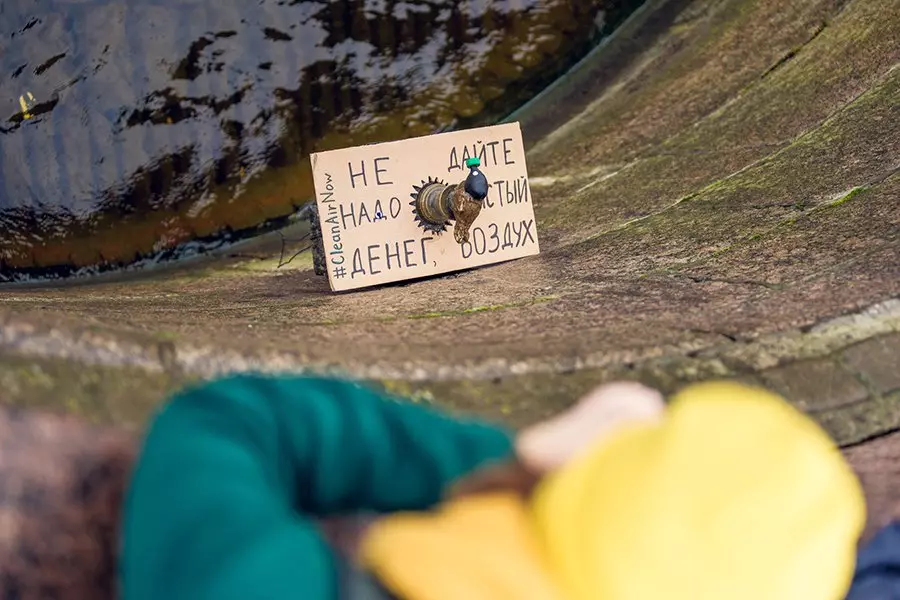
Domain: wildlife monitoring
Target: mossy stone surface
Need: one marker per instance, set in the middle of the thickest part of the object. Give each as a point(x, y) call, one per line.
point(725, 179)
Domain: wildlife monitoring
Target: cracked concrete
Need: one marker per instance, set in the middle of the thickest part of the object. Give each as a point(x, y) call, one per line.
point(717, 197)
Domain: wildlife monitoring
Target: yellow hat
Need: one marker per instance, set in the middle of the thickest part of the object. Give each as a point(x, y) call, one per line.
point(475, 548)
point(734, 495)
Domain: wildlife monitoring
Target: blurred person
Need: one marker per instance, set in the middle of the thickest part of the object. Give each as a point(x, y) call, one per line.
point(726, 492)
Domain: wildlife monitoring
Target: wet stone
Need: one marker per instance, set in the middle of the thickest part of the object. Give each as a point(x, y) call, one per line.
point(816, 385)
point(878, 361)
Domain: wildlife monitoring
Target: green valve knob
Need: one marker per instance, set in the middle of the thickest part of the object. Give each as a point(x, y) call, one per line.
point(473, 162)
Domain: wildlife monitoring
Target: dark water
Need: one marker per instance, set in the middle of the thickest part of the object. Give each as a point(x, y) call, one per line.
point(128, 129)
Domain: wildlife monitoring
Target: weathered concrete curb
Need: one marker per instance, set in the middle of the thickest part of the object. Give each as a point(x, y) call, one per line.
point(843, 371)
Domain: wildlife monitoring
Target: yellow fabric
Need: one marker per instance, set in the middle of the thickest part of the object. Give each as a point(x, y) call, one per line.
point(477, 548)
point(734, 495)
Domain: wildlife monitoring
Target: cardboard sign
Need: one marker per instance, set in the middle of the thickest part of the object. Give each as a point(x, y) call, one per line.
point(369, 226)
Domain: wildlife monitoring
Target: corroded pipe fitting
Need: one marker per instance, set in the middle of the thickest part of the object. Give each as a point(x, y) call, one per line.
point(436, 204)
point(433, 204)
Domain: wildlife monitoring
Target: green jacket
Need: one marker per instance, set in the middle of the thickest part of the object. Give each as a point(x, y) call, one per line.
point(233, 474)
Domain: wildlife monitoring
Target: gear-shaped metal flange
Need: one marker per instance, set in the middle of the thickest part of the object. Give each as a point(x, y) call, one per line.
point(431, 205)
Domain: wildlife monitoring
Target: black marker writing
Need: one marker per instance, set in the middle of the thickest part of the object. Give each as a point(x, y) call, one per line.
point(513, 191)
point(491, 154)
point(355, 214)
point(389, 256)
point(493, 238)
point(377, 169)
